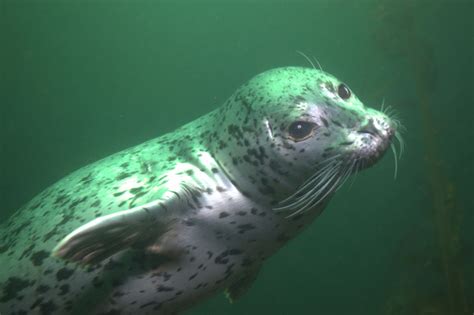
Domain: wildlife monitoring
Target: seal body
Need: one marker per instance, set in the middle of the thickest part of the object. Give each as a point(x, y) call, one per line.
point(158, 227)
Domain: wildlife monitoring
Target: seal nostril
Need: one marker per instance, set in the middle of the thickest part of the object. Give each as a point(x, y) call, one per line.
point(370, 129)
point(368, 132)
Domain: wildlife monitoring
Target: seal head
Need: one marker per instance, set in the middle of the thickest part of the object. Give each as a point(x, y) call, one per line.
point(299, 133)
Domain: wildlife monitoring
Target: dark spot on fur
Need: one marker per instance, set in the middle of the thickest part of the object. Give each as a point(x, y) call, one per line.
point(245, 227)
point(86, 179)
point(222, 258)
point(147, 304)
point(61, 200)
point(45, 308)
point(13, 286)
point(337, 123)
point(76, 202)
point(4, 248)
point(64, 273)
point(162, 288)
point(347, 143)
point(189, 222)
point(325, 122)
point(95, 204)
point(123, 176)
point(118, 294)
point(223, 215)
point(122, 203)
point(48, 307)
point(64, 289)
point(42, 289)
point(21, 227)
point(27, 251)
point(136, 190)
point(38, 257)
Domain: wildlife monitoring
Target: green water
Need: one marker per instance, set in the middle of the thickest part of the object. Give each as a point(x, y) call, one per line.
point(83, 79)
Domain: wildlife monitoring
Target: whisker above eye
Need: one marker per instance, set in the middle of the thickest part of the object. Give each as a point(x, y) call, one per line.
point(307, 58)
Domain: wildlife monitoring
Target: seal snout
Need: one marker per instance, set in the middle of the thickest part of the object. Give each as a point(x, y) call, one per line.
point(372, 139)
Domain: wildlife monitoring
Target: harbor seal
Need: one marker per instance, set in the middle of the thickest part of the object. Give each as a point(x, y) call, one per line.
point(160, 226)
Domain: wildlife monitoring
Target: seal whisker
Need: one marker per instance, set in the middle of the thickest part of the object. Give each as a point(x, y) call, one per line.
point(307, 58)
point(313, 197)
point(387, 110)
point(347, 173)
point(394, 150)
point(316, 196)
point(299, 199)
point(356, 172)
point(318, 179)
point(401, 142)
point(310, 181)
point(393, 116)
point(307, 184)
point(319, 65)
point(319, 174)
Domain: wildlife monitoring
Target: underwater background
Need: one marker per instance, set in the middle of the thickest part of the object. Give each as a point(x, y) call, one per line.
point(81, 80)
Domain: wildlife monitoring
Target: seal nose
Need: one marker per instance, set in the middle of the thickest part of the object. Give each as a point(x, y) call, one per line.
point(369, 127)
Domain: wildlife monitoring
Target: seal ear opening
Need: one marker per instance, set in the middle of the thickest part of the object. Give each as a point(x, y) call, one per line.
point(107, 235)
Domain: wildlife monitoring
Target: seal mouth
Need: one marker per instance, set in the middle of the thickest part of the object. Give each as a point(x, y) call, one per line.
point(373, 139)
point(372, 148)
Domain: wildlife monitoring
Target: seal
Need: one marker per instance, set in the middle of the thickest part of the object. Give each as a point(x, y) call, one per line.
point(160, 226)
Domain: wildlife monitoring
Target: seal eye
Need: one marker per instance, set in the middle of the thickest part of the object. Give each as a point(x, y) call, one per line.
point(301, 130)
point(343, 91)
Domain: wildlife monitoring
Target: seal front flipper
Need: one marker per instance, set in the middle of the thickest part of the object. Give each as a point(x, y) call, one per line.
point(107, 235)
point(241, 286)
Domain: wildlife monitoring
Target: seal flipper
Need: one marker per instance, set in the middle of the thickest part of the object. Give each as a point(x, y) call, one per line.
point(241, 286)
point(107, 235)
point(104, 236)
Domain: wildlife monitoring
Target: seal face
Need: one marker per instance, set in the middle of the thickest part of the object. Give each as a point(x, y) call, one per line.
point(158, 227)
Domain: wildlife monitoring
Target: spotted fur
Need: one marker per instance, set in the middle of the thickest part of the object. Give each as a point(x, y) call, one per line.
point(231, 168)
